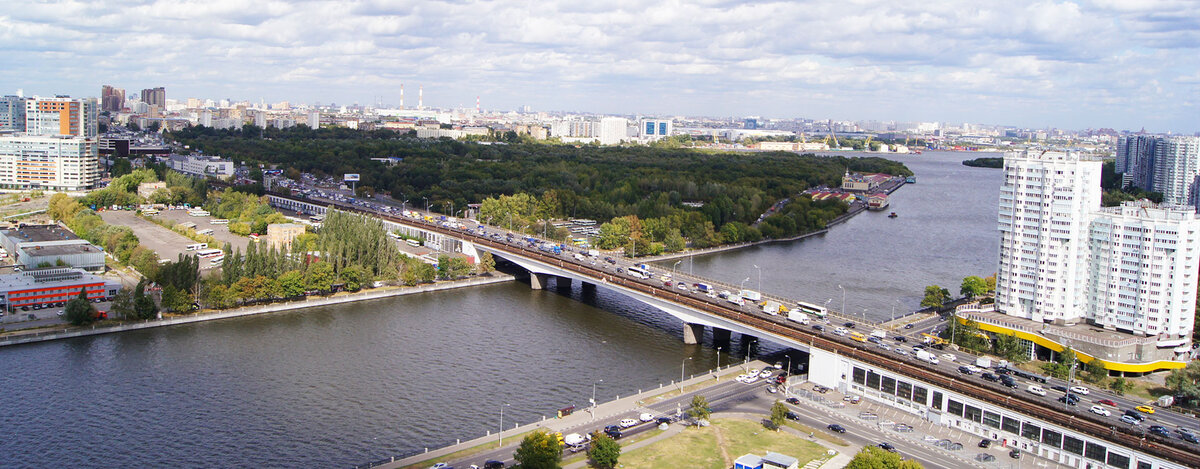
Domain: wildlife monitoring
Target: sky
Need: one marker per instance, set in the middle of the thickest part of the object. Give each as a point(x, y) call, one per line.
point(1123, 64)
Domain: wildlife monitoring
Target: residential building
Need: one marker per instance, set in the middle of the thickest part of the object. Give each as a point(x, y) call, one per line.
point(654, 129)
point(281, 235)
point(1144, 261)
point(61, 115)
point(613, 130)
point(112, 99)
point(155, 97)
point(1135, 161)
point(47, 286)
point(32, 246)
point(1176, 165)
point(48, 162)
point(12, 113)
point(201, 165)
point(1045, 200)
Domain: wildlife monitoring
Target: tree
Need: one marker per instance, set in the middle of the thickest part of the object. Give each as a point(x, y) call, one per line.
point(973, 286)
point(292, 283)
point(778, 414)
point(539, 450)
point(1185, 381)
point(935, 297)
point(122, 305)
point(143, 303)
point(699, 409)
point(353, 277)
point(176, 300)
point(1119, 386)
point(319, 276)
point(604, 452)
point(487, 263)
point(1093, 371)
point(1009, 347)
point(873, 457)
point(79, 310)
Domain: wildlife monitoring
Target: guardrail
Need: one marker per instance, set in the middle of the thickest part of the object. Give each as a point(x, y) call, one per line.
point(1021, 404)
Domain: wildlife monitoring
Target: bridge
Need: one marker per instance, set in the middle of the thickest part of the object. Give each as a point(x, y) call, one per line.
point(1016, 420)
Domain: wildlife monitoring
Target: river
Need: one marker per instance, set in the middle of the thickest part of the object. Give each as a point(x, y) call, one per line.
point(343, 385)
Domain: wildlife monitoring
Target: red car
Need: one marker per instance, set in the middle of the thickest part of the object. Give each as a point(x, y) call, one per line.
point(1106, 402)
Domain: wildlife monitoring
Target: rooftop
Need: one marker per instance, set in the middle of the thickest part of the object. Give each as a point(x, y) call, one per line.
point(39, 233)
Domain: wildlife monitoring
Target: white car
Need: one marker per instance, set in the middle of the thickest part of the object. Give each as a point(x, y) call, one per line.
point(1100, 411)
point(1079, 390)
point(626, 423)
point(741, 378)
point(900, 351)
point(1035, 389)
point(948, 357)
point(646, 417)
point(840, 331)
point(765, 373)
point(751, 379)
point(885, 346)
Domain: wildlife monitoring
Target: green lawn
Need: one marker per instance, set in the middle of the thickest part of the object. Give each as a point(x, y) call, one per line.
point(702, 448)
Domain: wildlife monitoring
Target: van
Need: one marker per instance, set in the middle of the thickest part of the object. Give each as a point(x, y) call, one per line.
point(1035, 389)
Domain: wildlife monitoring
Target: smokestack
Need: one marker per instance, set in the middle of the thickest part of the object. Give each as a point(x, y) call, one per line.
point(402, 96)
point(421, 97)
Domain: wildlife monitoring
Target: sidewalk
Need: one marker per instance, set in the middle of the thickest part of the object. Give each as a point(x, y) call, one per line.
point(604, 412)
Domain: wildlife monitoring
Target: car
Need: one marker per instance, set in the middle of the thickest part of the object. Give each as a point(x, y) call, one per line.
point(1059, 388)
point(819, 327)
point(1134, 415)
point(851, 398)
point(1190, 438)
point(908, 326)
point(990, 377)
point(1145, 409)
point(751, 379)
point(1079, 390)
point(836, 428)
point(440, 465)
point(900, 338)
point(964, 370)
point(493, 464)
point(985, 457)
point(1015, 454)
point(874, 340)
point(772, 389)
point(820, 389)
point(32, 316)
point(1035, 389)
point(1130, 420)
point(613, 432)
point(884, 347)
point(1100, 411)
point(948, 357)
point(900, 351)
point(646, 417)
point(840, 331)
point(626, 423)
point(752, 372)
point(1107, 402)
point(60, 313)
point(793, 400)
point(765, 373)
point(663, 420)
point(887, 447)
point(849, 325)
point(741, 378)
point(1068, 400)
point(1160, 432)
point(985, 443)
point(682, 286)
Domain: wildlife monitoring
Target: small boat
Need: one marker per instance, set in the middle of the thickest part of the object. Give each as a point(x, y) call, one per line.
point(893, 215)
point(911, 180)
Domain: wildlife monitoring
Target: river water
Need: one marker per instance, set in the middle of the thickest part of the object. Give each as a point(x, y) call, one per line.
point(343, 385)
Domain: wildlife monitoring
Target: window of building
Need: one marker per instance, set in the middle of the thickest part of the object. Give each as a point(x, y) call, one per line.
point(1052, 438)
point(860, 376)
point(1143, 465)
point(920, 395)
point(1073, 445)
point(1031, 431)
point(1120, 461)
point(937, 400)
point(973, 414)
point(991, 419)
point(954, 407)
point(1095, 451)
point(889, 385)
point(1011, 425)
point(904, 390)
point(872, 380)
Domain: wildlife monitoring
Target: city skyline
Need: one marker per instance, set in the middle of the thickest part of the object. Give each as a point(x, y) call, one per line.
point(1124, 65)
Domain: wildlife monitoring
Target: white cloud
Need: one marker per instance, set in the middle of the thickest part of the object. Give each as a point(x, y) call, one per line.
point(936, 60)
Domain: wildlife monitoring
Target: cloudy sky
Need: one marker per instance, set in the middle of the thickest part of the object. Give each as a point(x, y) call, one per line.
point(1124, 64)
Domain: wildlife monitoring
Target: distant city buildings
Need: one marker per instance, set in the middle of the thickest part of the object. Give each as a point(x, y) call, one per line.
point(201, 165)
point(61, 116)
point(12, 113)
point(57, 147)
point(1169, 165)
point(1064, 259)
point(112, 99)
point(655, 129)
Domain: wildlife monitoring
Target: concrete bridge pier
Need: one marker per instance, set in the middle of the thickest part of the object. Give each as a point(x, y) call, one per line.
point(588, 288)
point(748, 344)
point(692, 333)
point(538, 281)
point(562, 283)
point(721, 337)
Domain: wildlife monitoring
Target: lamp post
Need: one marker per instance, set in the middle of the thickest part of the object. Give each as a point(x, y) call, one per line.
point(759, 277)
point(718, 363)
point(673, 267)
point(681, 364)
point(594, 398)
point(843, 311)
point(426, 205)
point(501, 434)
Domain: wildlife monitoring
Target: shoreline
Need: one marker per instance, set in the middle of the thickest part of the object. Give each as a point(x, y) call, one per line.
point(373, 294)
point(854, 210)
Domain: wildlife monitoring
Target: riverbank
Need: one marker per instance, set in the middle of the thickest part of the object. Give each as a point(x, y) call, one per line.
point(17, 338)
point(855, 209)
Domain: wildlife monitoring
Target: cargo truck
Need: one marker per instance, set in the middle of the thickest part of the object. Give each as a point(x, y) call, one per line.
point(926, 356)
point(983, 362)
point(771, 307)
point(751, 295)
point(798, 316)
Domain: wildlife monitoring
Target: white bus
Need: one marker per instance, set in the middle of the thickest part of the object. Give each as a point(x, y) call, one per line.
point(149, 212)
point(219, 221)
point(819, 311)
point(206, 231)
point(639, 272)
point(209, 253)
point(412, 242)
point(197, 246)
point(198, 213)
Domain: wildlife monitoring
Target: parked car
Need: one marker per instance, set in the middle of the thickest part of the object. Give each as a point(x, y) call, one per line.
point(646, 417)
point(613, 432)
point(836, 428)
point(1015, 454)
point(985, 443)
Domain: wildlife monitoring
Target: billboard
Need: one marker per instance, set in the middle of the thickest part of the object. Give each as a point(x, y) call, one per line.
point(350, 177)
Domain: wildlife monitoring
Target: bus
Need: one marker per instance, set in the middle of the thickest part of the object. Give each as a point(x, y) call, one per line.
point(206, 231)
point(219, 221)
point(819, 311)
point(209, 253)
point(639, 273)
point(412, 242)
point(149, 212)
point(317, 218)
point(197, 246)
point(858, 336)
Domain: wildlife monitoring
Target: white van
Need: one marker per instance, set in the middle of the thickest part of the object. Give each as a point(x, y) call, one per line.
point(1035, 389)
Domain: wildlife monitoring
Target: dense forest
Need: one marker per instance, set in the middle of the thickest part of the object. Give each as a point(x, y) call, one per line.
point(698, 192)
point(985, 162)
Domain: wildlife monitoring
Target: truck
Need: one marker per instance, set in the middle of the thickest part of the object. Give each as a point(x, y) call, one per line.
point(983, 362)
point(751, 295)
point(880, 333)
point(798, 316)
point(702, 287)
point(927, 357)
point(594, 252)
point(771, 307)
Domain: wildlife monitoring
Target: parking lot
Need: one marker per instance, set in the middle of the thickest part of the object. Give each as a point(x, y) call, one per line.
point(166, 243)
point(221, 232)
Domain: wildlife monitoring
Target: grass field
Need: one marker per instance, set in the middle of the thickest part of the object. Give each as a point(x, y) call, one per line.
point(716, 447)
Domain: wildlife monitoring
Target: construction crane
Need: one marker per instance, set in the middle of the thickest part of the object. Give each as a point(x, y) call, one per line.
point(832, 137)
point(867, 146)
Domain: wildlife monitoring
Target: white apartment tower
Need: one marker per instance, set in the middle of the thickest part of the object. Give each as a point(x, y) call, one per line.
point(613, 130)
point(1176, 165)
point(1144, 263)
point(61, 115)
point(1045, 200)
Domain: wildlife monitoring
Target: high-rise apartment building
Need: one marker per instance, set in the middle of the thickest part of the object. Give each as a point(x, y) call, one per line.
point(1144, 263)
point(61, 115)
point(155, 97)
point(48, 162)
point(1176, 165)
point(1135, 161)
point(12, 113)
point(654, 129)
point(1045, 200)
point(613, 130)
point(112, 99)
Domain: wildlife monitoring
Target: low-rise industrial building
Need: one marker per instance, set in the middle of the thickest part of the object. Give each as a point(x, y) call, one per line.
point(202, 166)
point(34, 245)
point(49, 286)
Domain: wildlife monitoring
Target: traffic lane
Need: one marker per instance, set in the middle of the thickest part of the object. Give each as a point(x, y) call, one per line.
point(859, 434)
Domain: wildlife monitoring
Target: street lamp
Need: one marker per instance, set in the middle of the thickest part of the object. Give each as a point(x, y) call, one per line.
point(759, 277)
point(742, 286)
point(594, 398)
point(501, 434)
point(843, 311)
point(681, 364)
point(673, 267)
point(718, 363)
point(426, 204)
